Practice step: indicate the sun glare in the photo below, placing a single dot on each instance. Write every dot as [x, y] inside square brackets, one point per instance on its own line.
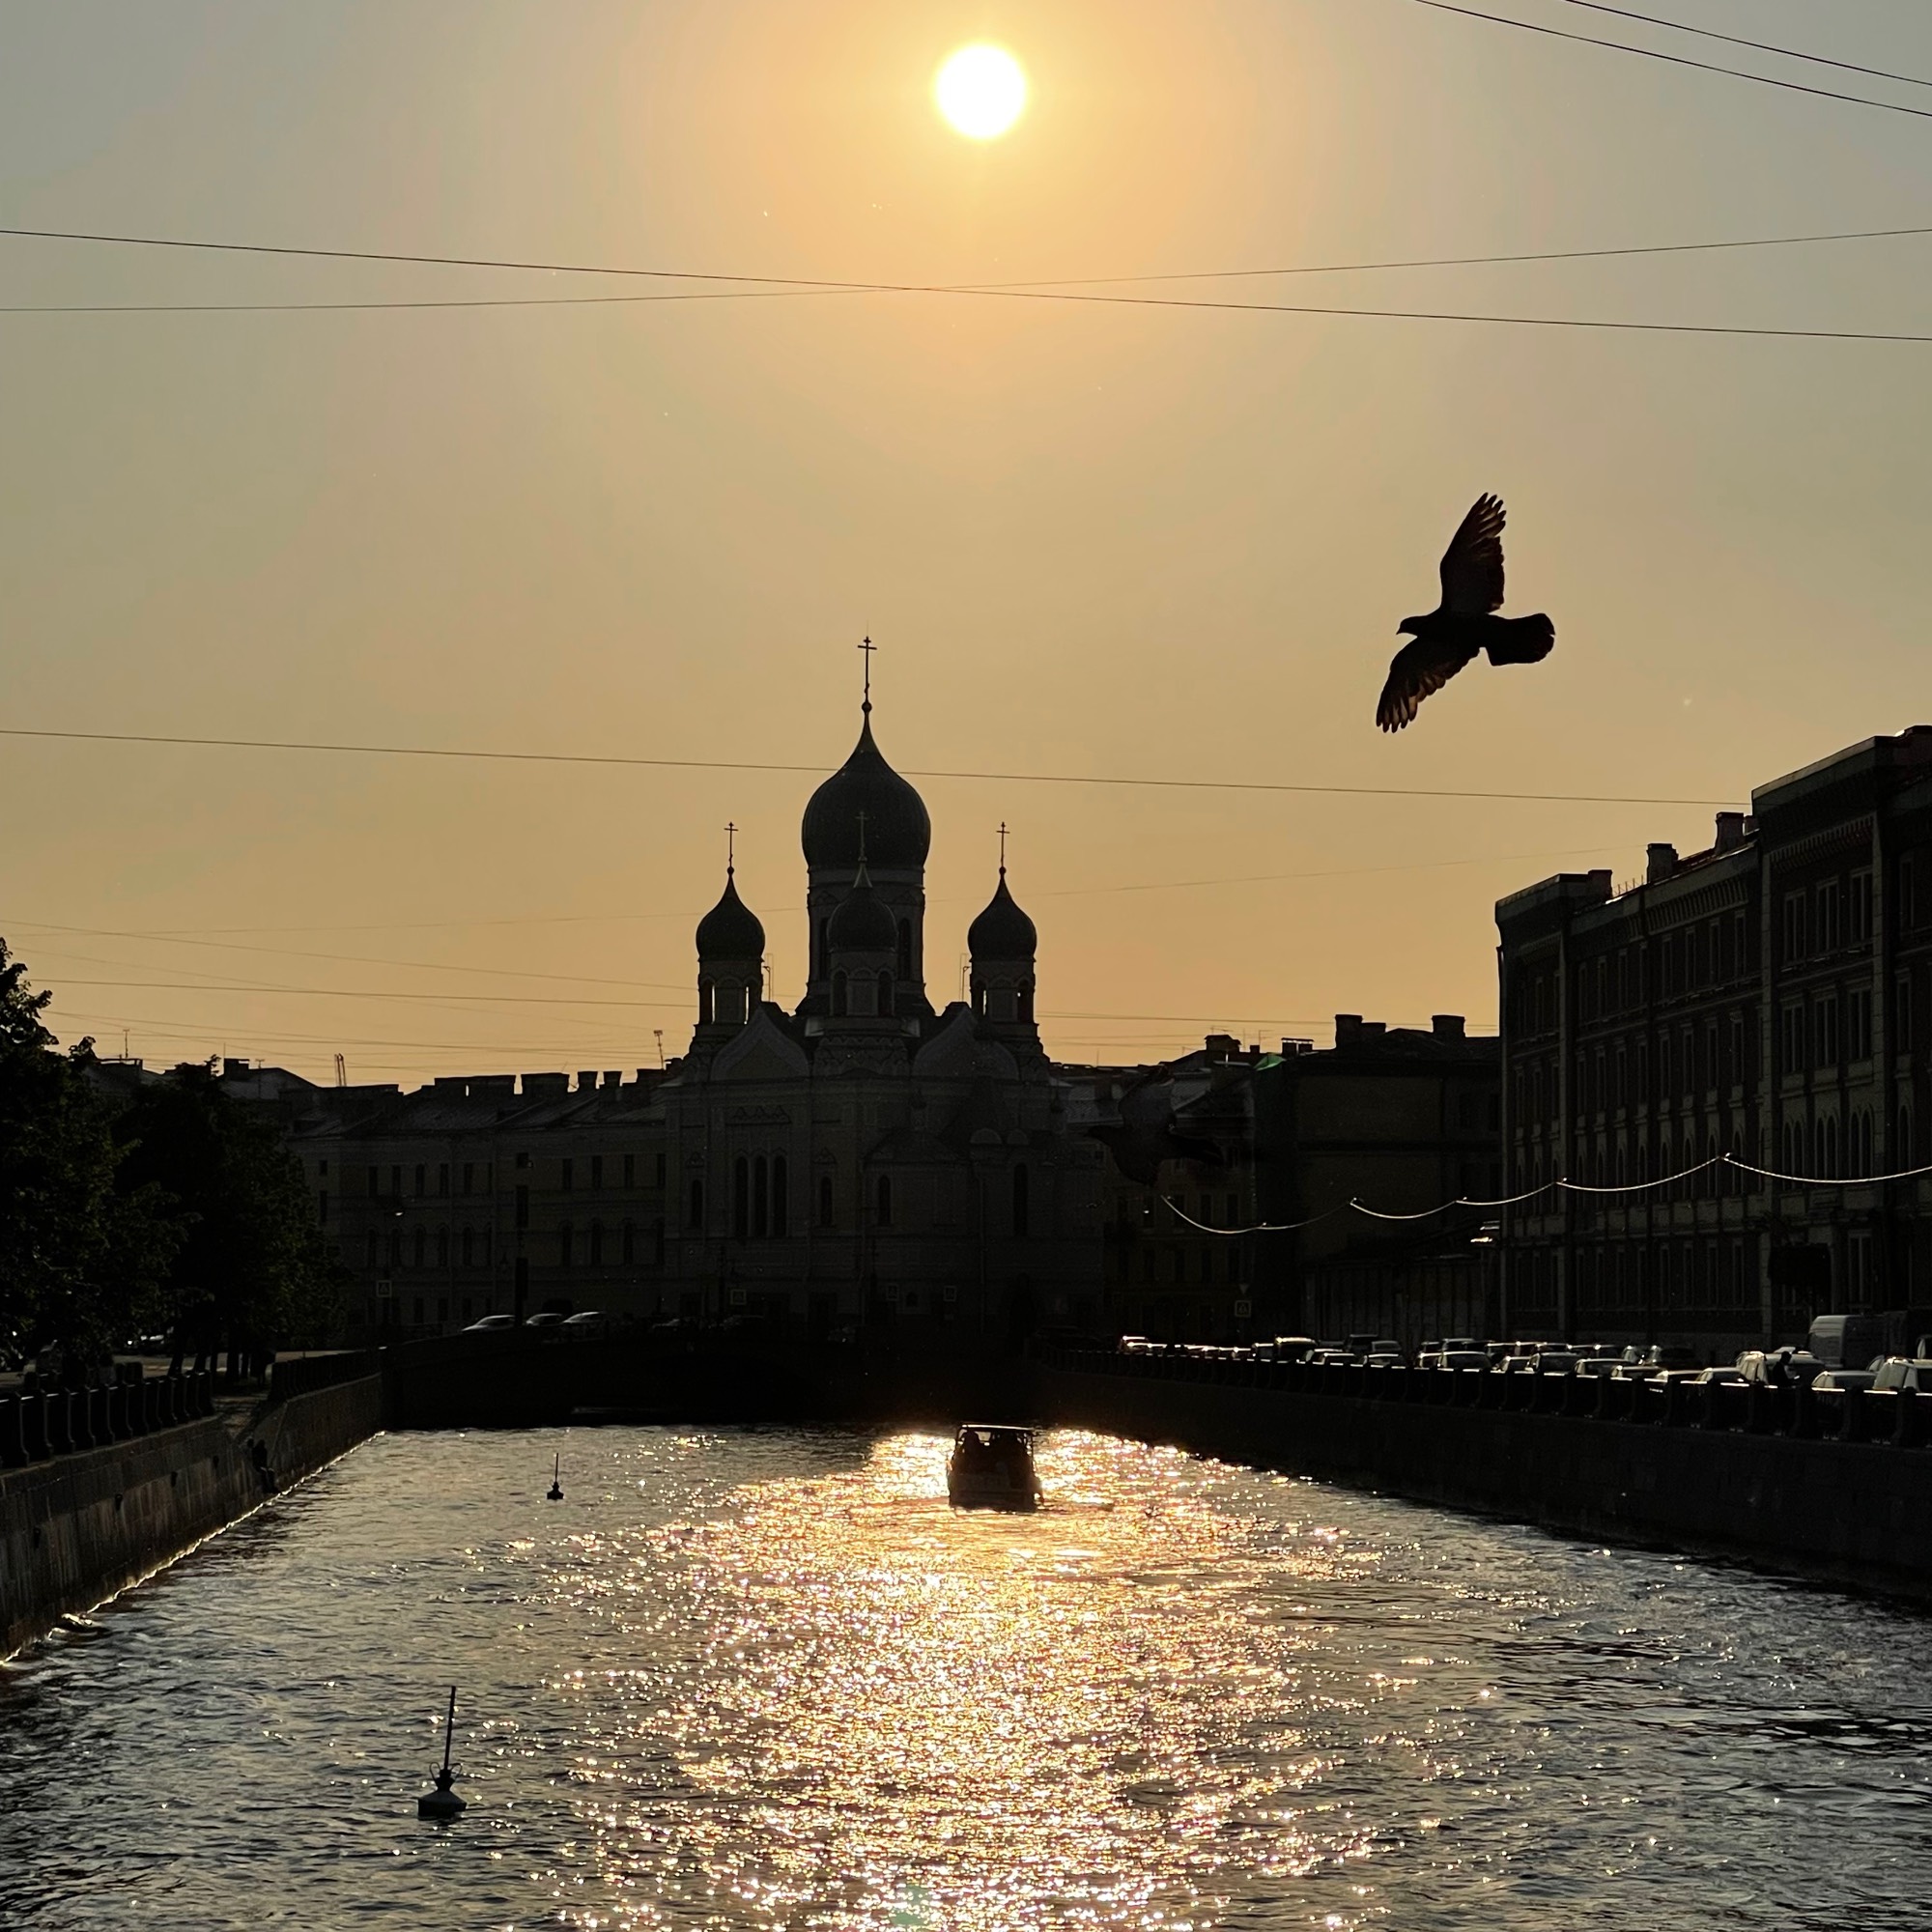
[981, 90]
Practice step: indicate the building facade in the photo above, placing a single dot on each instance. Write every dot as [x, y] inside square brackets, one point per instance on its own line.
[1763, 1000]
[859, 1160]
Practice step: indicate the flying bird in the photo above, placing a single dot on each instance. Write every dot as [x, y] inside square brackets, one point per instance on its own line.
[1463, 623]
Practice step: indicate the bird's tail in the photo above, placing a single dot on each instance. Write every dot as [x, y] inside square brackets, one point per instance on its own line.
[1520, 640]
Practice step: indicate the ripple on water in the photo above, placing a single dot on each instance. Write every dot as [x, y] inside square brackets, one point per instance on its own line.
[770, 1679]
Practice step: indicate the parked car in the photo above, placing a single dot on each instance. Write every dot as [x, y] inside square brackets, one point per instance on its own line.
[490, 1324]
[1464, 1358]
[1835, 1382]
[1600, 1367]
[1716, 1375]
[587, 1317]
[1555, 1362]
[549, 1318]
[1293, 1348]
[1904, 1372]
[1386, 1358]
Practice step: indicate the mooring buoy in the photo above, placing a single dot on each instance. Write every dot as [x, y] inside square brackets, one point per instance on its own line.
[555, 1493]
[442, 1804]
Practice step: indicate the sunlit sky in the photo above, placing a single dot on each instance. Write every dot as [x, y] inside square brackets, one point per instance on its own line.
[1088, 539]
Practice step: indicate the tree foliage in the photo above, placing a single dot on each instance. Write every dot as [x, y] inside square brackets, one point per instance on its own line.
[253, 1269]
[170, 1207]
[82, 1252]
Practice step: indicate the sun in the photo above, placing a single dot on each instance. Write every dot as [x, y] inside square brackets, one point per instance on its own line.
[981, 90]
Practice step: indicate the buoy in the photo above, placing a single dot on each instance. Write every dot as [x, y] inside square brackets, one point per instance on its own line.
[442, 1804]
[555, 1493]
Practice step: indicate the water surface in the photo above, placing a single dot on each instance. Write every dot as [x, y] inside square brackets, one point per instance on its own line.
[770, 1679]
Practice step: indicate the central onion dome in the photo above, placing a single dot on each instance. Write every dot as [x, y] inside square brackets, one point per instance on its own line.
[898, 833]
[1002, 932]
[730, 929]
[864, 923]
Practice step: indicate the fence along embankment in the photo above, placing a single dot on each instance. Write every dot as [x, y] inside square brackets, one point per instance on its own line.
[1745, 1474]
[84, 1522]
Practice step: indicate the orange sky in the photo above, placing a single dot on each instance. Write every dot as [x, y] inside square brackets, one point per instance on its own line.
[1088, 539]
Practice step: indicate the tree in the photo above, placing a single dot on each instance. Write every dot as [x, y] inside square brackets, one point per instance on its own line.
[252, 1270]
[82, 1252]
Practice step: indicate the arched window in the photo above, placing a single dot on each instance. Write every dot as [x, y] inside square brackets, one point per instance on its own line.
[741, 1197]
[442, 1247]
[629, 1243]
[825, 1201]
[885, 1199]
[698, 1203]
[707, 1000]
[420, 1233]
[486, 1247]
[761, 1221]
[1026, 1002]
[905, 949]
[597, 1244]
[819, 947]
[1901, 1154]
[885, 993]
[563, 1245]
[1020, 1201]
[838, 996]
[779, 1204]
[469, 1246]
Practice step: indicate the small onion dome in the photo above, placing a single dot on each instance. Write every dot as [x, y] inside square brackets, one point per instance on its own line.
[1002, 932]
[730, 929]
[864, 923]
[898, 833]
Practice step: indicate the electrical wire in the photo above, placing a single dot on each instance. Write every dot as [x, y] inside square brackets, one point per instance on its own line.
[836, 285]
[1826, 1180]
[1738, 41]
[1672, 60]
[1613, 324]
[1078, 290]
[623, 761]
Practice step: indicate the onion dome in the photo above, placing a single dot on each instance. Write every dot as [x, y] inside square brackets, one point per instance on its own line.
[730, 929]
[897, 834]
[864, 923]
[1002, 932]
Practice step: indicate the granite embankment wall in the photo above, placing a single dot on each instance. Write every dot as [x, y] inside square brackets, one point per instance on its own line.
[77, 1528]
[1851, 1513]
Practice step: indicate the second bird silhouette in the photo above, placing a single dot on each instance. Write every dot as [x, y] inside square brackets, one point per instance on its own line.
[1463, 623]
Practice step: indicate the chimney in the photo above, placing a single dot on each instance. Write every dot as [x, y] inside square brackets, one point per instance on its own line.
[1223, 1046]
[614, 1078]
[1659, 862]
[234, 1069]
[1730, 831]
[1348, 1029]
[587, 1083]
[1446, 1026]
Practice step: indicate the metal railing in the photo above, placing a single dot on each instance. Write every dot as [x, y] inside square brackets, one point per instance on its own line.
[59, 1422]
[1896, 1417]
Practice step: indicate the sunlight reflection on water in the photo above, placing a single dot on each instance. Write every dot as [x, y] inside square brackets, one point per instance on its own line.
[772, 1680]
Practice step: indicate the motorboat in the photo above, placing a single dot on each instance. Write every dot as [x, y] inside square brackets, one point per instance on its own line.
[991, 1467]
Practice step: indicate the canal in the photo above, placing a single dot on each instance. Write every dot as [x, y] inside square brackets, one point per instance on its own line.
[770, 1679]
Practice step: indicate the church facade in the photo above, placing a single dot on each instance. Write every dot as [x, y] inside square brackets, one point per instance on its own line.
[860, 1159]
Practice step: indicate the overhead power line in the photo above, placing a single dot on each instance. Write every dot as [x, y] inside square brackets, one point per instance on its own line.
[1673, 60]
[624, 760]
[1739, 41]
[1084, 291]
[834, 284]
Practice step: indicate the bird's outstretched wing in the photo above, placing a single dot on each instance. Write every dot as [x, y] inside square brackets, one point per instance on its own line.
[1416, 670]
[1472, 566]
